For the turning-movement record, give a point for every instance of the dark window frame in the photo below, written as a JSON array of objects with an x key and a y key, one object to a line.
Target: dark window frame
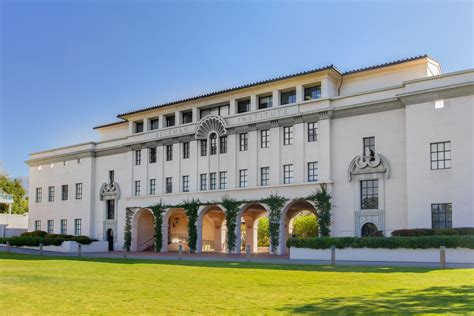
[
  {"x": 203, "y": 182},
  {"x": 186, "y": 150},
  {"x": 138, "y": 157},
  {"x": 152, "y": 186},
  {"x": 241, "y": 104},
  {"x": 288, "y": 135},
  {"x": 203, "y": 144},
  {"x": 78, "y": 191},
  {"x": 313, "y": 131},
  {"x": 169, "y": 152},
  {"x": 265, "y": 105},
  {"x": 313, "y": 171},
  {"x": 441, "y": 215},
  {"x": 64, "y": 192},
  {"x": 213, "y": 144},
  {"x": 39, "y": 195},
  {"x": 152, "y": 155},
  {"x": 137, "y": 188},
  {"x": 243, "y": 178},
  {"x": 309, "y": 91},
  {"x": 264, "y": 176},
  {"x": 223, "y": 144},
  {"x": 441, "y": 152},
  {"x": 369, "y": 194},
  {"x": 51, "y": 191},
  {"x": 186, "y": 183},
  {"x": 288, "y": 174},
  {"x": 243, "y": 141},
  {"x": 77, "y": 226},
  {"x": 223, "y": 180},
  {"x": 169, "y": 185},
  {"x": 212, "y": 181},
  {"x": 288, "y": 97},
  {"x": 110, "y": 208},
  {"x": 265, "y": 138}
]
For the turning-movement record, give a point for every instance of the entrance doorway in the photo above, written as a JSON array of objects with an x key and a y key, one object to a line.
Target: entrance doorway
[{"x": 110, "y": 239}]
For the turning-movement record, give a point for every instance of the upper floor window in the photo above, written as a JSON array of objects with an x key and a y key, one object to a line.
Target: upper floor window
[
  {"x": 264, "y": 176},
  {"x": 77, "y": 226},
  {"x": 111, "y": 176},
  {"x": 243, "y": 141},
  {"x": 169, "y": 185},
  {"x": 39, "y": 193},
  {"x": 187, "y": 117},
  {"x": 169, "y": 152},
  {"x": 50, "y": 194},
  {"x": 138, "y": 157},
  {"x": 170, "y": 120},
  {"x": 152, "y": 154},
  {"x": 288, "y": 135},
  {"x": 152, "y": 186},
  {"x": 186, "y": 150},
  {"x": 222, "y": 110},
  {"x": 312, "y": 132},
  {"x": 185, "y": 183},
  {"x": 442, "y": 215},
  {"x": 50, "y": 226},
  {"x": 369, "y": 194},
  {"x": 213, "y": 143},
  {"x": 243, "y": 178},
  {"x": 223, "y": 144},
  {"x": 288, "y": 97},
  {"x": 212, "y": 181},
  {"x": 287, "y": 174},
  {"x": 138, "y": 127},
  {"x": 265, "y": 138},
  {"x": 203, "y": 181},
  {"x": 369, "y": 145},
  {"x": 64, "y": 192},
  {"x": 265, "y": 102},
  {"x": 223, "y": 180},
  {"x": 153, "y": 124},
  {"x": 313, "y": 92},
  {"x": 440, "y": 155},
  {"x": 110, "y": 209},
  {"x": 63, "y": 230},
  {"x": 313, "y": 171},
  {"x": 137, "y": 188},
  {"x": 37, "y": 225},
  {"x": 203, "y": 147},
  {"x": 78, "y": 191},
  {"x": 243, "y": 106}
]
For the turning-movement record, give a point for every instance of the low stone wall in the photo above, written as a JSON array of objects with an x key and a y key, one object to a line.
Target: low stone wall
[
  {"x": 453, "y": 255},
  {"x": 72, "y": 247}
]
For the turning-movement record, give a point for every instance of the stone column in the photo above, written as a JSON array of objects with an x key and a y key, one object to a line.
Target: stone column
[
  {"x": 325, "y": 148},
  {"x": 199, "y": 238},
  {"x": 164, "y": 239}
]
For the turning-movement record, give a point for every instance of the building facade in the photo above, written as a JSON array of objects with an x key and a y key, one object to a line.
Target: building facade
[{"x": 394, "y": 144}]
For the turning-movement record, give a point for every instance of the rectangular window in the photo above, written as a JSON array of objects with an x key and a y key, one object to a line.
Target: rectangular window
[
  {"x": 288, "y": 97},
  {"x": 223, "y": 180},
  {"x": 265, "y": 138},
  {"x": 243, "y": 106},
  {"x": 137, "y": 188},
  {"x": 169, "y": 152},
  {"x": 287, "y": 174},
  {"x": 138, "y": 157},
  {"x": 64, "y": 192},
  {"x": 265, "y": 102},
  {"x": 152, "y": 155},
  {"x": 111, "y": 176},
  {"x": 311, "y": 93},
  {"x": 39, "y": 195},
  {"x": 50, "y": 226},
  {"x": 169, "y": 185},
  {"x": 243, "y": 140},
  {"x": 288, "y": 135},
  {"x": 187, "y": 117},
  {"x": 442, "y": 215},
  {"x": 170, "y": 120},
  {"x": 213, "y": 144},
  {"x": 313, "y": 171},
  {"x": 440, "y": 155},
  {"x": 77, "y": 226},
  {"x": 203, "y": 147},
  {"x": 203, "y": 181},
  {"x": 264, "y": 176},
  {"x": 138, "y": 127},
  {"x": 223, "y": 144},
  {"x": 78, "y": 191},
  {"x": 185, "y": 183},
  {"x": 63, "y": 227},
  {"x": 50, "y": 194},
  {"x": 212, "y": 181},
  {"x": 186, "y": 150},
  {"x": 152, "y": 186},
  {"x": 243, "y": 178},
  {"x": 312, "y": 132},
  {"x": 368, "y": 145},
  {"x": 153, "y": 124},
  {"x": 110, "y": 209},
  {"x": 37, "y": 225},
  {"x": 369, "y": 194}
]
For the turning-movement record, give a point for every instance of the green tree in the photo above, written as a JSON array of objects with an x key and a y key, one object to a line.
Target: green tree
[
  {"x": 263, "y": 232},
  {"x": 305, "y": 226},
  {"x": 13, "y": 186}
]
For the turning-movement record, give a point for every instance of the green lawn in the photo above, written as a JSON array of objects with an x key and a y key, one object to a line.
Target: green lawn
[{"x": 45, "y": 285}]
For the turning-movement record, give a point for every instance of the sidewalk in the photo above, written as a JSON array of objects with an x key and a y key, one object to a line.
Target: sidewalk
[{"x": 222, "y": 257}]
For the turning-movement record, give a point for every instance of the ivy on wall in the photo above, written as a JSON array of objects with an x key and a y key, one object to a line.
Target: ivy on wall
[
  {"x": 128, "y": 228},
  {"x": 191, "y": 208},
  {"x": 275, "y": 202},
  {"x": 322, "y": 200},
  {"x": 232, "y": 209},
  {"x": 158, "y": 210}
]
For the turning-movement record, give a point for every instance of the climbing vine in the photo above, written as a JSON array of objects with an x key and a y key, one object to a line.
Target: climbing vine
[
  {"x": 275, "y": 202},
  {"x": 191, "y": 208},
  {"x": 232, "y": 209},
  {"x": 128, "y": 228},
  {"x": 322, "y": 200},
  {"x": 158, "y": 210}
]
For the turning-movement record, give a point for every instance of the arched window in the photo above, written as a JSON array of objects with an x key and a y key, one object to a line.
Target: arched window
[
  {"x": 213, "y": 141},
  {"x": 368, "y": 230}
]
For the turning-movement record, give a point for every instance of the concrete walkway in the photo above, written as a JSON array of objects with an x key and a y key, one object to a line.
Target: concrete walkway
[{"x": 222, "y": 257}]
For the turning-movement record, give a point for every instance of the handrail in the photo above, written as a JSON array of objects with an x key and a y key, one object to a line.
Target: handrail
[{"x": 146, "y": 241}]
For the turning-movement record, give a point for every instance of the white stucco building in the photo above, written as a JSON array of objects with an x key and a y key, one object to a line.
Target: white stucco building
[{"x": 394, "y": 143}]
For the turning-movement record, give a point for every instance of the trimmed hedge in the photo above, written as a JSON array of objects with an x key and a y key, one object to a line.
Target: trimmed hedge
[
  {"x": 383, "y": 242},
  {"x": 433, "y": 232},
  {"x": 465, "y": 230},
  {"x": 32, "y": 240}
]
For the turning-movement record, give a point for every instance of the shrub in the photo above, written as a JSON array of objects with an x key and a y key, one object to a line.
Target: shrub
[
  {"x": 465, "y": 230},
  {"x": 425, "y": 232},
  {"x": 423, "y": 242},
  {"x": 305, "y": 226},
  {"x": 82, "y": 240},
  {"x": 445, "y": 232},
  {"x": 49, "y": 240},
  {"x": 35, "y": 233},
  {"x": 66, "y": 237}
]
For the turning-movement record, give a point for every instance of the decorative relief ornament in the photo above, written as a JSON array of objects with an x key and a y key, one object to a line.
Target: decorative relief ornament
[
  {"x": 368, "y": 163},
  {"x": 211, "y": 124}
]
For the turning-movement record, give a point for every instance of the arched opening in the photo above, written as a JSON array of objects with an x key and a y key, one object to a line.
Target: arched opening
[
  {"x": 368, "y": 230},
  {"x": 247, "y": 227},
  {"x": 213, "y": 229},
  {"x": 144, "y": 230},
  {"x": 298, "y": 219},
  {"x": 177, "y": 232},
  {"x": 110, "y": 239}
]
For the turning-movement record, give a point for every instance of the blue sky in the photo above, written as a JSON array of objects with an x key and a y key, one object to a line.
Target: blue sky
[{"x": 67, "y": 66}]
